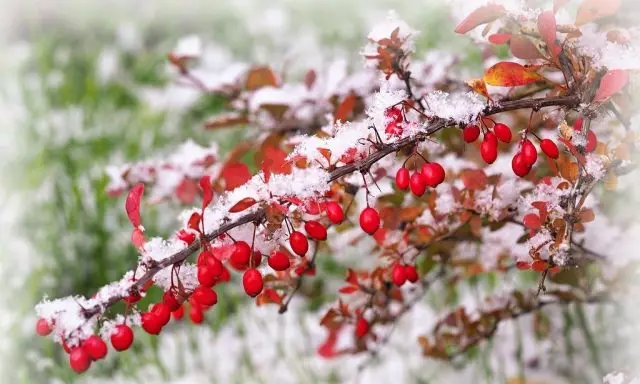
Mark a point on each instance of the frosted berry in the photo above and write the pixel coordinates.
(95, 347)
(204, 296)
(162, 312)
(489, 148)
(299, 243)
(241, 253)
(196, 314)
(150, 323)
(503, 132)
(170, 300)
(398, 275)
(549, 148)
(519, 165)
(433, 174)
(206, 276)
(334, 212)
(316, 230)
(418, 184)
(79, 360)
(529, 152)
(43, 328)
(411, 273)
(122, 338)
(369, 220)
(470, 133)
(279, 261)
(252, 282)
(402, 179)
(592, 142)
(362, 327)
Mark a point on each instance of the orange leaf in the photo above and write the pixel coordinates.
(479, 86)
(591, 10)
(612, 82)
(348, 289)
(586, 215)
(242, 205)
(474, 178)
(259, 77)
(522, 48)
(346, 107)
(509, 74)
(539, 265)
(500, 38)
(523, 265)
(547, 29)
(235, 175)
(484, 14)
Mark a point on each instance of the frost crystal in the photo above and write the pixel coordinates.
(459, 107)
(188, 46)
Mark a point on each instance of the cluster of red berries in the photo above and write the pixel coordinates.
(528, 155)
(394, 127)
(489, 145)
(431, 174)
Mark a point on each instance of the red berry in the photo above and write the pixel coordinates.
(66, 347)
(122, 338)
(592, 142)
(225, 276)
(411, 273)
(252, 282)
(43, 328)
(334, 212)
(316, 230)
(162, 312)
(433, 174)
(402, 179)
(529, 152)
(418, 184)
(393, 128)
(489, 148)
(204, 296)
(298, 243)
(256, 260)
(186, 236)
(549, 148)
(279, 261)
(519, 165)
(398, 275)
(577, 125)
(369, 220)
(196, 314)
(205, 276)
(150, 323)
(95, 347)
(178, 313)
(215, 265)
(394, 113)
(503, 132)
(470, 133)
(170, 300)
(79, 360)
(362, 327)
(241, 253)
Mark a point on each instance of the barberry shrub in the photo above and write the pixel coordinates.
(408, 155)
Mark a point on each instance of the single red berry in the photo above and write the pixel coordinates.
(418, 184)
(205, 276)
(225, 276)
(411, 272)
(95, 347)
(196, 314)
(240, 256)
(316, 230)
(43, 328)
(334, 212)
(362, 327)
(592, 142)
(393, 128)
(299, 243)
(215, 266)
(205, 296)
(279, 261)
(369, 220)
(162, 312)
(433, 174)
(529, 152)
(519, 165)
(489, 148)
(66, 347)
(170, 300)
(503, 132)
(402, 179)
(186, 236)
(470, 133)
(79, 360)
(150, 323)
(252, 282)
(549, 148)
(178, 313)
(398, 275)
(394, 113)
(256, 260)
(122, 338)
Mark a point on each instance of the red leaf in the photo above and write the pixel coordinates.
(186, 191)
(523, 265)
(275, 160)
(326, 154)
(352, 277)
(591, 10)
(242, 205)
(137, 238)
(132, 204)
(235, 175)
(348, 289)
(482, 15)
(328, 348)
(523, 48)
(500, 38)
(207, 192)
(532, 221)
(539, 265)
(346, 107)
(612, 82)
(547, 29)
(194, 221)
(510, 74)
(310, 78)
